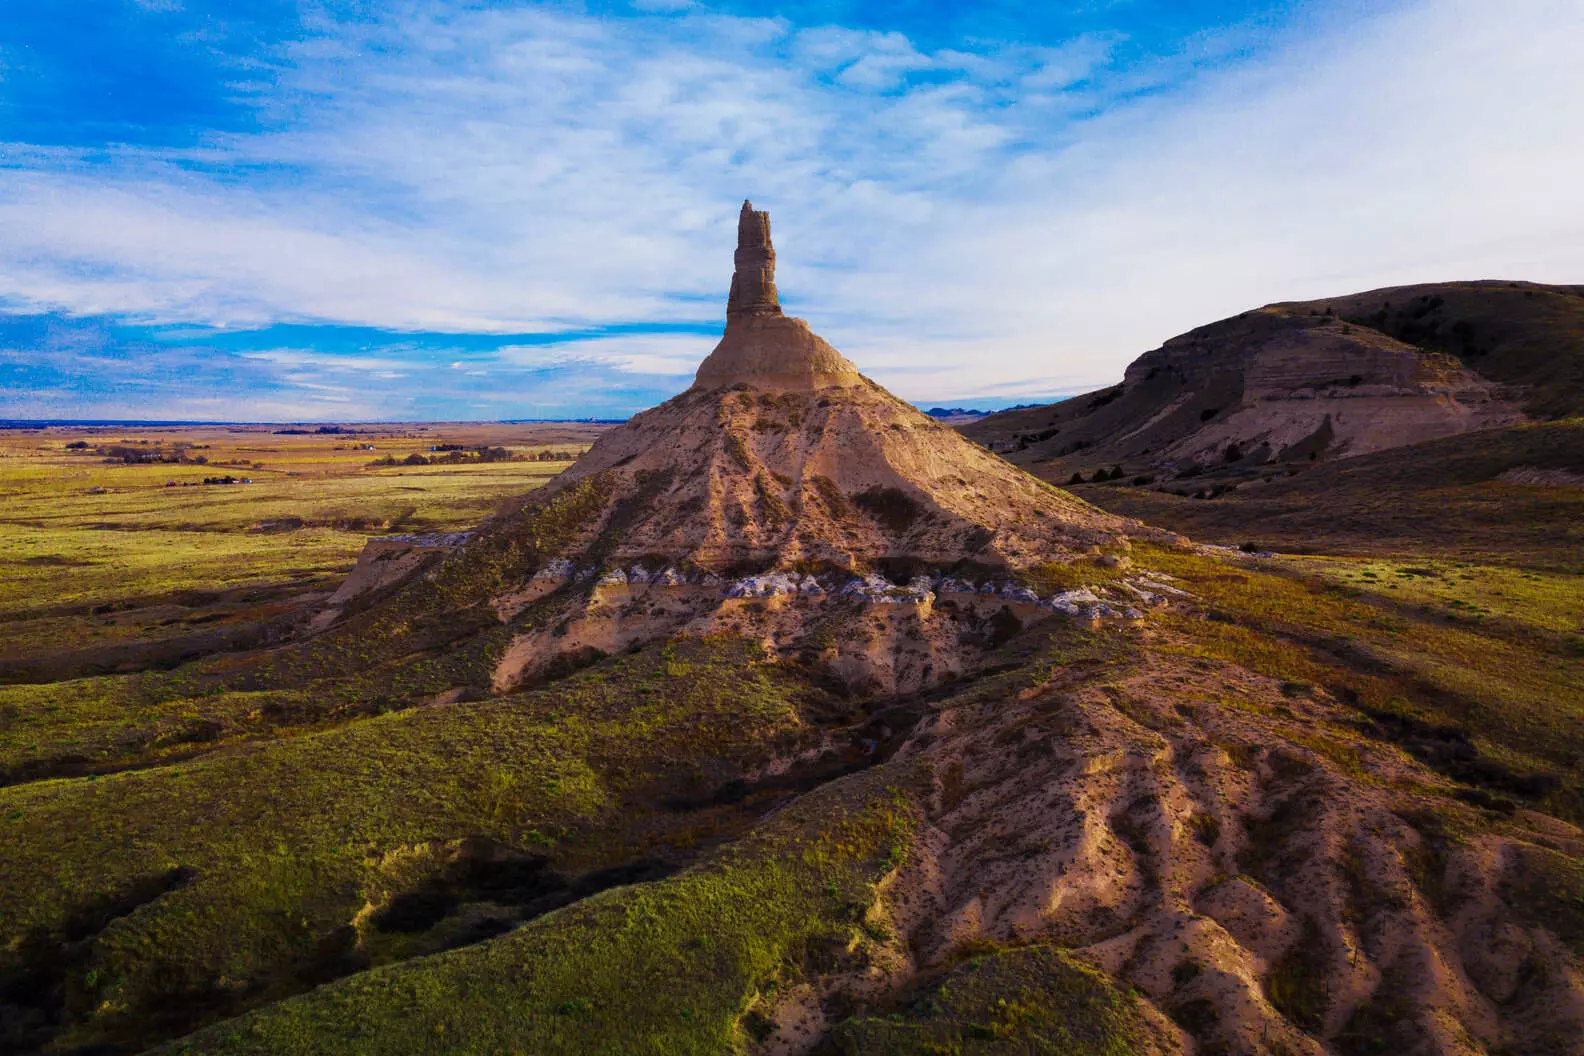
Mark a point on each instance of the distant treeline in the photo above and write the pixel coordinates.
(142, 454)
(323, 430)
(454, 454)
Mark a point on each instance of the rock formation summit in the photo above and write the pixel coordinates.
(782, 453)
(762, 347)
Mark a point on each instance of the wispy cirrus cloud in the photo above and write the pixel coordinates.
(965, 216)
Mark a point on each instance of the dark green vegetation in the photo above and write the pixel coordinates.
(204, 888)
(1522, 334)
(1035, 1000)
(667, 967)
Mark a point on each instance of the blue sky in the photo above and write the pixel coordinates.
(350, 211)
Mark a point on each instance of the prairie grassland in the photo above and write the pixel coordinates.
(1514, 680)
(228, 833)
(1540, 602)
(94, 551)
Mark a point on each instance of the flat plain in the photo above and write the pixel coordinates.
(113, 563)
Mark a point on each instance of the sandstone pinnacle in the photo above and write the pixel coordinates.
(753, 290)
(762, 347)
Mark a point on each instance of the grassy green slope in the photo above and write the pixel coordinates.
(268, 848)
(1036, 1000)
(665, 968)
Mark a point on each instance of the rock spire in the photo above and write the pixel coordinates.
(762, 347)
(753, 290)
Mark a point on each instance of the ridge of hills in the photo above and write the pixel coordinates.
(1410, 419)
(1297, 381)
(789, 721)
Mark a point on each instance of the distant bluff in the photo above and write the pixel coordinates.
(1294, 383)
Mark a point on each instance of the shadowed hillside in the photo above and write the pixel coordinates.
(1503, 496)
(1523, 334)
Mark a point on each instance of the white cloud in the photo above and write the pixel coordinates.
(662, 354)
(959, 233)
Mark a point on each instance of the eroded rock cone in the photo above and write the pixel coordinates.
(783, 453)
(783, 475)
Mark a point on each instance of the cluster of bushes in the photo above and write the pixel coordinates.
(1214, 492)
(323, 430)
(127, 454)
(1036, 437)
(455, 454)
(1106, 476)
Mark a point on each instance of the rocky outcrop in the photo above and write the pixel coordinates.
(783, 488)
(753, 290)
(782, 452)
(762, 347)
(787, 493)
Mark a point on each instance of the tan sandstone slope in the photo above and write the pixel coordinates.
(786, 477)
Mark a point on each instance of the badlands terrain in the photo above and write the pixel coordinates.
(787, 719)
